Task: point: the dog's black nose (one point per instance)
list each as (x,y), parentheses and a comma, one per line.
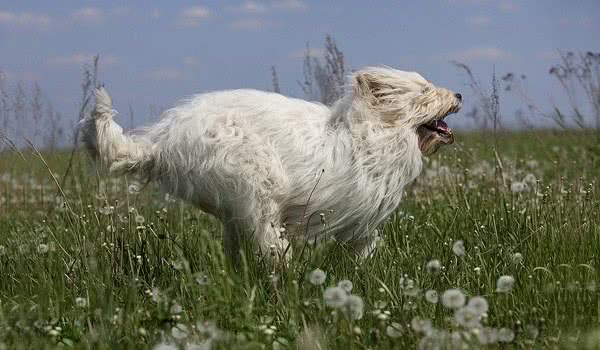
(458,96)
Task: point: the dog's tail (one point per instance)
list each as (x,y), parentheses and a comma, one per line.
(120,153)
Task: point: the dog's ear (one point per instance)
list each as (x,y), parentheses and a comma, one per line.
(371,87)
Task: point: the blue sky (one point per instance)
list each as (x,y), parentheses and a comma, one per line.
(154,53)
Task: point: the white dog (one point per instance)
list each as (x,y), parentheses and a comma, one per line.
(272,167)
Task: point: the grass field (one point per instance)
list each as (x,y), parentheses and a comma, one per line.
(99,268)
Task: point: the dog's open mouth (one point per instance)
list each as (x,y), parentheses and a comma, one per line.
(434,134)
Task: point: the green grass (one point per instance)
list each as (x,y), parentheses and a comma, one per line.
(152,271)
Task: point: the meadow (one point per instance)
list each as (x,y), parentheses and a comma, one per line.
(496,245)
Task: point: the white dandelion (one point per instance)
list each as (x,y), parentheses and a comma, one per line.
(345,285)
(518,187)
(530,179)
(467,317)
(421,325)
(487,335)
(517,258)
(317,277)
(354,307)
(505,284)
(2,250)
(532,331)
(506,335)
(335,297)
(479,305)
(42,248)
(176,309)
(432,296)
(139,219)
(453,298)
(458,248)
(179,331)
(81,302)
(434,266)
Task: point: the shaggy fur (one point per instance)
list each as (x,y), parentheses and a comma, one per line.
(260,161)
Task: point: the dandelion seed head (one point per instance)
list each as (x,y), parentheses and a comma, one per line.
(335,297)
(354,307)
(453,298)
(467,317)
(505,284)
(479,305)
(506,335)
(317,277)
(458,248)
(421,325)
(518,187)
(434,266)
(176,309)
(346,285)
(517,258)
(42,248)
(2,250)
(139,219)
(179,331)
(81,302)
(487,335)
(432,296)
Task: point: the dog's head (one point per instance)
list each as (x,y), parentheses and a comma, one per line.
(400,99)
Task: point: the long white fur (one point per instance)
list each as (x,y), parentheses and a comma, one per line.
(259,160)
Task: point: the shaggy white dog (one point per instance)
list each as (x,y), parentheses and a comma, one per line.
(272,167)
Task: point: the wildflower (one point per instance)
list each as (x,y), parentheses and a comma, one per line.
(317,277)
(458,248)
(518,187)
(530,179)
(434,266)
(179,331)
(505,284)
(467,317)
(421,325)
(487,335)
(506,335)
(139,219)
(453,298)
(42,248)
(432,296)
(354,307)
(517,258)
(81,302)
(106,210)
(335,297)
(345,285)
(531,331)
(394,330)
(479,305)
(176,309)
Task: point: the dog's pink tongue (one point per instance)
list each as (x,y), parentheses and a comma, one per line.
(441,125)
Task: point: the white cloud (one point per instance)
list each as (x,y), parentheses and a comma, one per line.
(480,53)
(193,16)
(250,24)
(479,21)
(80,58)
(290,5)
(250,7)
(88,15)
(25,19)
(165,73)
